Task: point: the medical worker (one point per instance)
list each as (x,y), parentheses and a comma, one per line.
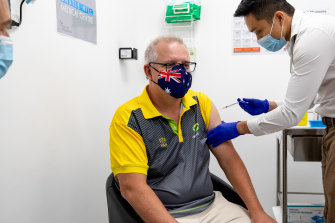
(310,42)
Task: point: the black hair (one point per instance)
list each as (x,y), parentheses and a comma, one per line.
(263,9)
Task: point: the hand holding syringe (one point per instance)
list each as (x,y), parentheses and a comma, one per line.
(252,106)
(231,105)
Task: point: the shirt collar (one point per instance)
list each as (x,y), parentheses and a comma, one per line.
(150,111)
(296,22)
(188,100)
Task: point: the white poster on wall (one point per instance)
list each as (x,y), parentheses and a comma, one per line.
(77,18)
(245,42)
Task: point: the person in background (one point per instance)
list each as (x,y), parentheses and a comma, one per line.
(310,40)
(158,148)
(6,43)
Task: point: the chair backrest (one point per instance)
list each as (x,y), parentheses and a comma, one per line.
(120,211)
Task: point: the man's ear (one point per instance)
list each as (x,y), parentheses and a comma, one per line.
(147,71)
(280,16)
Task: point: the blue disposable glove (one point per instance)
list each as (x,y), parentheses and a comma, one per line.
(222,133)
(254,106)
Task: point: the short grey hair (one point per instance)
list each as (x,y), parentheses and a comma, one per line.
(151,54)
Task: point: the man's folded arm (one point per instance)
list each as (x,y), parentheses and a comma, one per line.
(143,199)
(129,163)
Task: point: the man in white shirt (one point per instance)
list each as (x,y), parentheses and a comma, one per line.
(310,40)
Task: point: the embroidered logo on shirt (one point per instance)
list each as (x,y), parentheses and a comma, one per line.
(163,142)
(196,127)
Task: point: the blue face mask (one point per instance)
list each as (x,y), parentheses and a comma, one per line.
(175,81)
(6,54)
(272,44)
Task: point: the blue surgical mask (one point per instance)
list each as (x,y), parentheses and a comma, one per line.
(6,54)
(175,81)
(272,44)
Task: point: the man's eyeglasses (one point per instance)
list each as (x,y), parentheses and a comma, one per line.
(189,66)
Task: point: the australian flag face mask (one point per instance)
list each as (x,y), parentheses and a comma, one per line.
(175,81)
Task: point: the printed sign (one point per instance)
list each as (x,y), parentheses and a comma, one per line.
(77,18)
(245,42)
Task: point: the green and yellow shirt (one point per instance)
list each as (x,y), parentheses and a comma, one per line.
(174,157)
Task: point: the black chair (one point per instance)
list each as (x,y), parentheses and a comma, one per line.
(120,211)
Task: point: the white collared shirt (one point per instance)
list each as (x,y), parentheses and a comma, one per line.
(312,78)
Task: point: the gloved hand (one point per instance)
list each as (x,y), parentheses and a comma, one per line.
(254,106)
(222,133)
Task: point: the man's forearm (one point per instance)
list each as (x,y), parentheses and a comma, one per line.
(238,176)
(242,127)
(147,205)
(272,105)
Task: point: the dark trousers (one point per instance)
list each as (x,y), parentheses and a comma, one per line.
(328,170)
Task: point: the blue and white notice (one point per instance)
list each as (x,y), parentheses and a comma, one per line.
(77,18)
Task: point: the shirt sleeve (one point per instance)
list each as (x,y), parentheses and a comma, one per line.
(312,56)
(205,107)
(127,150)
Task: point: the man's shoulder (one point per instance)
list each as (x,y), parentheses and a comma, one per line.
(199,95)
(317,22)
(124,111)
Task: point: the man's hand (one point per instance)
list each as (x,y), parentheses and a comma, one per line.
(254,106)
(262,218)
(222,133)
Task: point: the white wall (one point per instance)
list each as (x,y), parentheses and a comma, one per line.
(59,97)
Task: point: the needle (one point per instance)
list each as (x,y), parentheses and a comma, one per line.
(225,107)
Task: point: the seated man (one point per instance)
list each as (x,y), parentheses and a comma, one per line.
(159,153)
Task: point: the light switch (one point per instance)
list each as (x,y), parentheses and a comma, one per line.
(128,53)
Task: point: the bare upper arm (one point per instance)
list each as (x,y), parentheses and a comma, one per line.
(226,150)
(215,118)
(129,180)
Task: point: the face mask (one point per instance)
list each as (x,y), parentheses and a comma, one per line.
(175,81)
(6,54)
(272,44)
